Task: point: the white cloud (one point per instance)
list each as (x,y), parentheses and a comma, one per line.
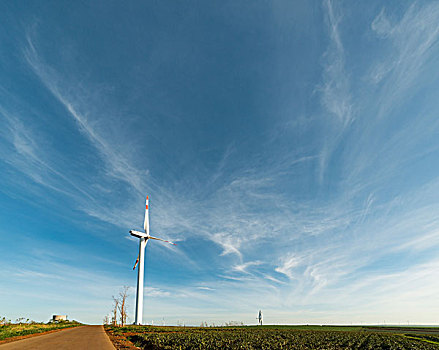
(335,91)
(156,292)
(381,25)
(336,96)
(117,164)
(413,41)
(288,265)
(205,288)
(243,267)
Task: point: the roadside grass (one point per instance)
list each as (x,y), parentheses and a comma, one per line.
(12,330)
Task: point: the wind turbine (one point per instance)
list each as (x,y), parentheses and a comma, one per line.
(143,239)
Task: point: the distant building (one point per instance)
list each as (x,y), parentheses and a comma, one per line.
(57,318)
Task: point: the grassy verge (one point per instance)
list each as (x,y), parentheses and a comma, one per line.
(119,339)
(11,331)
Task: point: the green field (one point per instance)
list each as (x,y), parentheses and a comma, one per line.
(16,330)
(276,337)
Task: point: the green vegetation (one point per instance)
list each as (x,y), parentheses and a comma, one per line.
(276,337)
(427,338)
(10,330)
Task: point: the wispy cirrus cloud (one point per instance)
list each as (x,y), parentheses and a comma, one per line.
(336,96)
(80,109)
(32,157)
(288,266)
(243,267)
(388,139)
(413,39)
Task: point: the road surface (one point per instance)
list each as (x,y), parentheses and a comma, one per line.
(83,338)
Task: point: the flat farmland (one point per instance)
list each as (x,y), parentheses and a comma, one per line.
(274,337)
(11,331)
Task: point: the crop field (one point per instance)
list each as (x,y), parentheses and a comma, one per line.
(272,337)
(12,330)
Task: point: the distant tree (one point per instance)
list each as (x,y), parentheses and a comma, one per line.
(19,320)
(114,311)
(106,320)
(123,294)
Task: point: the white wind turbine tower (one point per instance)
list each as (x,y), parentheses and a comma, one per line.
(143,239)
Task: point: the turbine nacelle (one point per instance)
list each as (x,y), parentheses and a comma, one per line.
(138,234)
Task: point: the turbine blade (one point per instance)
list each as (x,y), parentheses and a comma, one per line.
(159,239)
(135,264)
(146,221)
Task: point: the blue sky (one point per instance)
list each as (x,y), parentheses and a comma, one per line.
(289,148)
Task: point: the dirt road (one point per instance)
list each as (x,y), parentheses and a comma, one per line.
(85,337)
